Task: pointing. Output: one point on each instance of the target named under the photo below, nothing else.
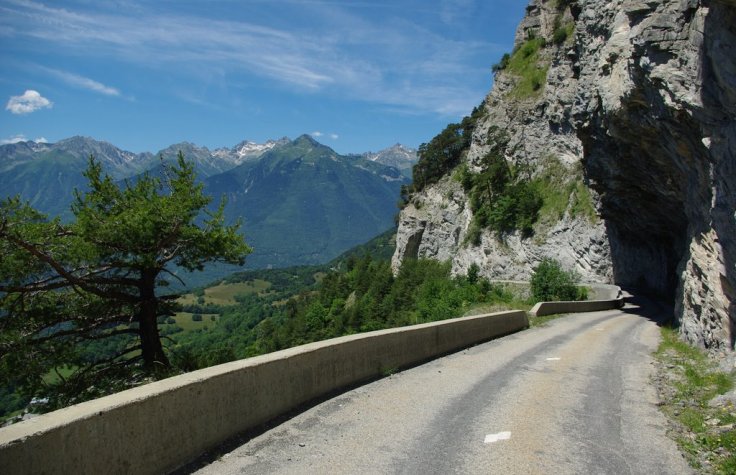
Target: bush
(500, 199)
(503, 64)
(559, 36)
(197, 317)
(473, 273)
(550, 282)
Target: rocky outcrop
(639, 103)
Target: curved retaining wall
(160, 426)
(550, 308)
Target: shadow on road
(653, 307)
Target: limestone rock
(642, 98)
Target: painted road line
(553, 359)
(491, 438)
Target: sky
(359, 75)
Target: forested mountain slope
(300, 201)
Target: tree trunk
(152, 350)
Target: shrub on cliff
(500, 198)
(550, 282)
(444, 152)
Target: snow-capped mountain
(249, 150)
(397, 156)
(302, 202)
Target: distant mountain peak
(248, 149)
(184, 146)
(308, 139)
(398, 156)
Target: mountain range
(300, 201)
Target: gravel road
(573, 396)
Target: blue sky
(360, 75)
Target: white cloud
(21, 138)
(318, 134)
(83, 82)
(29, 101)
(453, 11)
(394, 62)
(14, 139)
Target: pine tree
(88, 294)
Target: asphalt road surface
(573, 396)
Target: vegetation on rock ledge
(500, 197)
(525, 64)
(443, 152)
(699, 401)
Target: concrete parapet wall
(160, 426)
(550, 308)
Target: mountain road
(571, 396)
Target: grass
(185, 322)
(562, 189)
(508, 296)
(526, 66)
(53, 377)
(224, 294)
(706, 434)
(544, 319)
(562, 32)
(582, 202)
(572, 196)
(483, 308)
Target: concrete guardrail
(161, 426)
(550, 308)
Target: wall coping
(162, 425)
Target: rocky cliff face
(637, 102)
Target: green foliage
(692, 379)
(224, 293)
(502, 64)
(582, 202)
(562, 32)
(525, 65)
(562, 190)
(563, 4)
(443, 152)
(12, 401)
(87, 294)
(380, 247)
(363, 296)
(500, 199)
(473, 273)
(552, 283)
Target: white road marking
(491, 438)
(553, 359)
